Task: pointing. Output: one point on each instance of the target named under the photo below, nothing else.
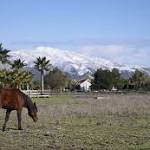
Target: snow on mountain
(70, 62)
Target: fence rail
(37, 93)
(48, 93)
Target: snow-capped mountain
(70, 62)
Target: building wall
(85, 85)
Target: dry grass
(114, 122)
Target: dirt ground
(111, 122)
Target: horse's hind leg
(6, 118)
(19, 120)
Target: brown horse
(14, 99)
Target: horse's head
(33, 113)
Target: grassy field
(113, 122)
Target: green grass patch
(58, 100)
(70, 123)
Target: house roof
(78, 82)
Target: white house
(85, 85)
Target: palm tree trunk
(42, 81)
(27, 86)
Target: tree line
(106, 79)
(13, 73)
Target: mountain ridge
(72, 62)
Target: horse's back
(9, 92)
(10, 98)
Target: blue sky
(118, 30)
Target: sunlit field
(112, 122)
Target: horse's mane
(28, 101)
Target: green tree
(42, 65)
(102, 80)
(4, 59)
(116, 77)
(56, 79)
(17, 64)
(4, 56)
(105, 79)
(23, 79)
(15, 79)
(35, 85)
(146, 86)
(20, 77)
(139, 79)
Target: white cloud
(121, 53)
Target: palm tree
(20, 77)
(2, 77)
(17, 64)
(41, 64)
(27, 79)
(4, 59)
(4, 55)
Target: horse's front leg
(6, 118)
(19, 119)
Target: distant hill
(73, 64)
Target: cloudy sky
(117, 30)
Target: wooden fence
(37, 93)
(48, 93)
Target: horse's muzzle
(35, 119)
